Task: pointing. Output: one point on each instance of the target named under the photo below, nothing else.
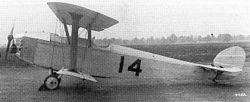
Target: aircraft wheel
(52, 82)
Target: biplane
(114, 64)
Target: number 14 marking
(134, 67)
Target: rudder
(231, 57)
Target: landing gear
(52, 82)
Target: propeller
(10, 38)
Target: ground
(20, 82)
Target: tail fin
(231, 57)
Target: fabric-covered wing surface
(97, 20)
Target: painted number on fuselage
(134, 67)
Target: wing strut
(74, 40)
(89, 29)
(66, 30)
(89, 35)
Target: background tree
(227, 38)
(172, 39)
(208, 38)
(224, 37)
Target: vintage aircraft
(115, 64)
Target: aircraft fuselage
(109, 67)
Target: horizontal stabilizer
(76, 74)
(226, 69)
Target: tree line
(173, 39)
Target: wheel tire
(52, 82)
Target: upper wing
(97, 20)
(147, 55)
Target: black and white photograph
(125, 51)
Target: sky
(137, 18)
